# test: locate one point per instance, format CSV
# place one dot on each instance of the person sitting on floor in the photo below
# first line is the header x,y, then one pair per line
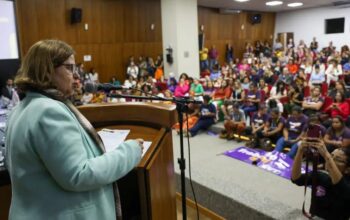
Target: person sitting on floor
x,y
236,124
257,124
273,129
293,131
207,116
190,118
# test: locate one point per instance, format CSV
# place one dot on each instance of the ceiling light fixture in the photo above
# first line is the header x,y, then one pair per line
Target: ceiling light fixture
x,y
295,4
274,3
241,0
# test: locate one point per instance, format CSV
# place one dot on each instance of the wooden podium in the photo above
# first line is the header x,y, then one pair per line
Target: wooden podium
x,y
148,191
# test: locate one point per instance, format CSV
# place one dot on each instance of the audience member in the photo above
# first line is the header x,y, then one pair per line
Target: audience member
x,y
293,131
206,117
234,124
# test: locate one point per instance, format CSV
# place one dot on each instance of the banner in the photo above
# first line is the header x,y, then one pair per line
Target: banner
x,y
274,162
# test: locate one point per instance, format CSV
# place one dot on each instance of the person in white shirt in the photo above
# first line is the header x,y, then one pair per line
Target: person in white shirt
x,y
132,70
333,71
93,76
86,98
9,96
317,77
130,82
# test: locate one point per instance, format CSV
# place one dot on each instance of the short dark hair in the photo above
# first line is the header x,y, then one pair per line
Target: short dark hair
x,y
235,105
314,117
297,109
275,111
206,98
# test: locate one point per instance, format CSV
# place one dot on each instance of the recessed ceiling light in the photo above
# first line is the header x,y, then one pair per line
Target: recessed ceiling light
x,y
295,4
241,0
274,3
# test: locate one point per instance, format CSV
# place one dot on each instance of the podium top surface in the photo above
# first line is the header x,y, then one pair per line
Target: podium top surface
x,y
159,114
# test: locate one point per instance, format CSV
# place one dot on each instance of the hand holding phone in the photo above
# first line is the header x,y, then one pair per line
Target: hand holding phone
x,y
314,132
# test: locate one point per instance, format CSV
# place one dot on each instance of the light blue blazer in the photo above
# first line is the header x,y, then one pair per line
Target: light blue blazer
x,y
57,171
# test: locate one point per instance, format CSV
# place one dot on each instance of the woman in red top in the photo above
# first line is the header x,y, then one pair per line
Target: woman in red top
x,y
339,107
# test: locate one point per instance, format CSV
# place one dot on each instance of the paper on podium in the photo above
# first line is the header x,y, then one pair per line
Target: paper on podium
x,y
113,138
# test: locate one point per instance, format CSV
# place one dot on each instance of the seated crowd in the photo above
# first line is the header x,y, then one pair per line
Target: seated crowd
x,y
273,94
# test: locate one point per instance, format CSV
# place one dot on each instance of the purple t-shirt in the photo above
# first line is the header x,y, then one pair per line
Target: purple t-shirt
x,y
296,126
259,120
311,100
252,95
344,135
274,123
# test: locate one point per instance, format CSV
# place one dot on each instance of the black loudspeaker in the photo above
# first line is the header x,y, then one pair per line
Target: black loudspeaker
x,y
169,58
255,18
201,41
75,15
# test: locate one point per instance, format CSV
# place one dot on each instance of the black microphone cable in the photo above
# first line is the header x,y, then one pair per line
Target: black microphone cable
x,y
189,167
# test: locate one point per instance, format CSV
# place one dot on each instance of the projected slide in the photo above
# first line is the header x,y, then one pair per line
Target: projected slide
x,y
8,32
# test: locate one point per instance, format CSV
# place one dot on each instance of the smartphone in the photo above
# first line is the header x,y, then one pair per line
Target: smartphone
x,y
314,131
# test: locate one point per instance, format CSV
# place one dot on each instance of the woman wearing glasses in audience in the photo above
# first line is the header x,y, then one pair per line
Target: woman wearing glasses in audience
x,y
57,163
332,198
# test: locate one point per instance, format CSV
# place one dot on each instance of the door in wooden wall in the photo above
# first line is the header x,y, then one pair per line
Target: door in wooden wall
x,y
284,37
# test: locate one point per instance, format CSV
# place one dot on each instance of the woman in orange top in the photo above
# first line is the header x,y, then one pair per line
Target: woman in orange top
x,y
292,67
220,95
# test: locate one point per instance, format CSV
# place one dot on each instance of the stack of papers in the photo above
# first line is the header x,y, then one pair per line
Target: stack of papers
x,y
113,138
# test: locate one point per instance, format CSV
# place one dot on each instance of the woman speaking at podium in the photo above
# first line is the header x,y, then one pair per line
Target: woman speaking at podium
x,y
56,160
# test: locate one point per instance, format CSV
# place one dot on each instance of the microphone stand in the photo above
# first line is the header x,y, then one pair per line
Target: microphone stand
x,y
181,107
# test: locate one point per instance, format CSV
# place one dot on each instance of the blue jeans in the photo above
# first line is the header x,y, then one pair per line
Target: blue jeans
x,y
282,143
204,64
212,63
201,124
248,109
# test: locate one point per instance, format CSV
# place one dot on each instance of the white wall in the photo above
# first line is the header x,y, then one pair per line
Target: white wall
x,y
309,23
180,31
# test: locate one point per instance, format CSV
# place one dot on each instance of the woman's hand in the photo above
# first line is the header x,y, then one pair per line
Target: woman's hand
x,y
303,145
321,147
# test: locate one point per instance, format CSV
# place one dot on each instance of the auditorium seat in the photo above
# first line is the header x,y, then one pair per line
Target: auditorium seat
x,y
307,91
327,102
324,89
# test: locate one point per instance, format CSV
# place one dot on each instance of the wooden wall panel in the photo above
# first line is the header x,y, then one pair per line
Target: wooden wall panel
x,y
220,29
117,29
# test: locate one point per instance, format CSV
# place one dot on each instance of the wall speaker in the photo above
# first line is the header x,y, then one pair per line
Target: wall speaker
x,y
169,58
75,15
255,18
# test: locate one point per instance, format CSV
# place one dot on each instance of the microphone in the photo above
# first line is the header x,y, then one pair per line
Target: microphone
x,y
94,87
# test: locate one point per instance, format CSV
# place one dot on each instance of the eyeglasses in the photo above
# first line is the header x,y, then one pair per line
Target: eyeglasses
x,y
71,67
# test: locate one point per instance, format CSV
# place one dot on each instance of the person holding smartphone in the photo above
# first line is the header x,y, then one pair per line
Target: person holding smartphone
x,y
332,198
